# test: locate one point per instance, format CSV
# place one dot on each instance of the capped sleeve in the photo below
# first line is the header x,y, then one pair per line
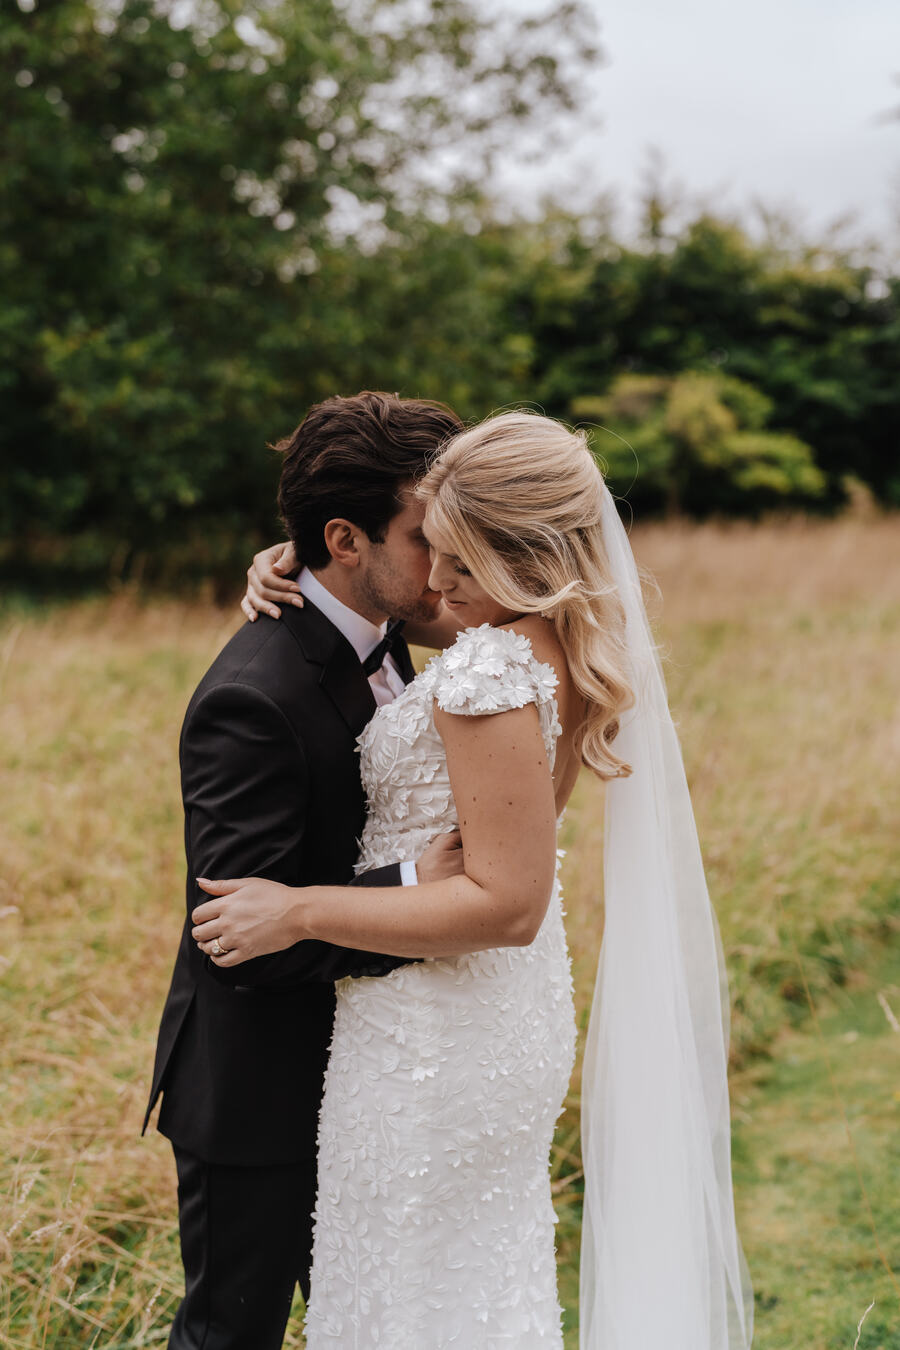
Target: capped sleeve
x,y
491,670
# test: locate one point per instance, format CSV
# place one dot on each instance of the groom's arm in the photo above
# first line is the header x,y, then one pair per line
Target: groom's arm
x,y
246,792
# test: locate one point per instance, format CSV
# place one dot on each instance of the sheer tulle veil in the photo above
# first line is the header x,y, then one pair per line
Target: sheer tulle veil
x,y
661,1262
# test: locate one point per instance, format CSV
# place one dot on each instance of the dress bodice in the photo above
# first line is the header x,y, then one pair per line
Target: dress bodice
x,y
402,761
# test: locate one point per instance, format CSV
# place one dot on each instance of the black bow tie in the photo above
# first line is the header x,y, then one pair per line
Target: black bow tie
x,y
375,660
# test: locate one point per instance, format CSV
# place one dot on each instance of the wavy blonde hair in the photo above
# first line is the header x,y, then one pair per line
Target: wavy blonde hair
x,y
520,498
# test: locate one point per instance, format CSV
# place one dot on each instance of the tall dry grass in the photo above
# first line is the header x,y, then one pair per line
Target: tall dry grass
x,y
782,649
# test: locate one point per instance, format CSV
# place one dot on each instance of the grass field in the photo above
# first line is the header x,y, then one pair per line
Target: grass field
x,y
783,646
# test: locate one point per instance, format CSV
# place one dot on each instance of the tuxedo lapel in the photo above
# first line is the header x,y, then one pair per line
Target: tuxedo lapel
x,y
343,678
345,683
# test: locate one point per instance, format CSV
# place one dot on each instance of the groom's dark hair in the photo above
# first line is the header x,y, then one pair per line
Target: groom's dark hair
x,y
350,457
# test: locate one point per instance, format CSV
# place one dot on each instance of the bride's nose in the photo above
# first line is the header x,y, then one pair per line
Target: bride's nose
x,y
436,577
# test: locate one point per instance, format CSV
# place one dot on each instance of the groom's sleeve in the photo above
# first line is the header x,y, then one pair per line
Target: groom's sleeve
x,y
246,790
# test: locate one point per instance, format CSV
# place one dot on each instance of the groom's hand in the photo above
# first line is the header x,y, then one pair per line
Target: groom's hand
x,y
442,858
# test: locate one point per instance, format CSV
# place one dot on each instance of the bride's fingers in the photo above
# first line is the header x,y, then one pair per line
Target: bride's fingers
x,y
248,609
273,569
208,932
259,602
229,958
278,559
222,885
270,582
212,909
271,586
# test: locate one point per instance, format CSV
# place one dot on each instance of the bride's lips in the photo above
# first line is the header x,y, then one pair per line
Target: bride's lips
x,y
453,604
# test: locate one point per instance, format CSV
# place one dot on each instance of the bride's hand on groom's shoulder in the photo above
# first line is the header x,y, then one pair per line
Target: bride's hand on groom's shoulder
x,y
270,582
247,917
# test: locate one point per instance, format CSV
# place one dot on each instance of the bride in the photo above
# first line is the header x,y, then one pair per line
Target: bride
x,y
434,1222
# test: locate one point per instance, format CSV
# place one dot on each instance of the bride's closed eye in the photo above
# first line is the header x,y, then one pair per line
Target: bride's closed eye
x,y
461,571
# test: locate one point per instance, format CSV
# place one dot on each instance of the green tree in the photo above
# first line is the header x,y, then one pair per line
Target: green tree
x,y
208,219
816,331
697,442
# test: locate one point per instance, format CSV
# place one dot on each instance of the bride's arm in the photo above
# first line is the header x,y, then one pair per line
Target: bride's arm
x,y
503,787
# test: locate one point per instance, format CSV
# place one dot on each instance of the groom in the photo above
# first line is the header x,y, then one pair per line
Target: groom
x,y
270,783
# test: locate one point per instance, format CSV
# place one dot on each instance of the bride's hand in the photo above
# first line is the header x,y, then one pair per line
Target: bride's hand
x,y
248,917
270,582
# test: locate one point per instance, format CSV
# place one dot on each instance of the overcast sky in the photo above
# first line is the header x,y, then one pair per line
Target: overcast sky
x,y
778,100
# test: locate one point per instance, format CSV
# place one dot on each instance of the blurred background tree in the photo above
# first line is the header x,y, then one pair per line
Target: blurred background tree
x,y
814,330
213,213
696,443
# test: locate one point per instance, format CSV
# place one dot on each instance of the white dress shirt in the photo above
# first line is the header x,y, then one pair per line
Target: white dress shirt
x,y
363,636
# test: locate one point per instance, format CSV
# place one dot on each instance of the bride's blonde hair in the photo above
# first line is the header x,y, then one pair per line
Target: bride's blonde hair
x,y
520,498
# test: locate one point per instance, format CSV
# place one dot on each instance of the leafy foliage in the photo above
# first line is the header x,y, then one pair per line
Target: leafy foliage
x,y
212,214
813,330
697,442
215,212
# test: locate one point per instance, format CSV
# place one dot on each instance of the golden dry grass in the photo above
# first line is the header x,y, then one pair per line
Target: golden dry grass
x,y
783,643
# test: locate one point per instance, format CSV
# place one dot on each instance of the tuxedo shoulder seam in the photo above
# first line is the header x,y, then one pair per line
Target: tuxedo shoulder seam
x,y
245,688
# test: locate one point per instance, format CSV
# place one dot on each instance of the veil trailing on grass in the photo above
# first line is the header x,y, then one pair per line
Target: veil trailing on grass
x,y
661,1262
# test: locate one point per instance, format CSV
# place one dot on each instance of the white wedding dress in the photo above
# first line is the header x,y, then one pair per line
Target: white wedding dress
x,y
434,1222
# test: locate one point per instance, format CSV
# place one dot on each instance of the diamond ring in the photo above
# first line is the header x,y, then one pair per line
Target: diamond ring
x,y
216,948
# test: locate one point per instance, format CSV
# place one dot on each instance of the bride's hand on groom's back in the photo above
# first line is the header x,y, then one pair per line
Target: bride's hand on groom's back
x,y
248,916
270,582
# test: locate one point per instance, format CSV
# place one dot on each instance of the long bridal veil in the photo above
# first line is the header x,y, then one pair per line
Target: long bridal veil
x,y
661,1262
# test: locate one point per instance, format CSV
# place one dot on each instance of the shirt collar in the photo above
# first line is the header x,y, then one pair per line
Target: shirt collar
x,y
362,635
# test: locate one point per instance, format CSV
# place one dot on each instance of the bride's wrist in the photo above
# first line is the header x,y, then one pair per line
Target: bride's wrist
x,y
301,912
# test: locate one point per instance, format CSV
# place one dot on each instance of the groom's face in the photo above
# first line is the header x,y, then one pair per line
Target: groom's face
x,y
395,581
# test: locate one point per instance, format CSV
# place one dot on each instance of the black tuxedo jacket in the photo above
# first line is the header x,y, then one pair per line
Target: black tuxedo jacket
x,y
271,788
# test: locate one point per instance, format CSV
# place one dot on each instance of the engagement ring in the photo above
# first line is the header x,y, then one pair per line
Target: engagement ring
x,y
216,948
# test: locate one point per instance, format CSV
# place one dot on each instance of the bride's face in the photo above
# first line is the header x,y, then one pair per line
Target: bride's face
x,y
460,592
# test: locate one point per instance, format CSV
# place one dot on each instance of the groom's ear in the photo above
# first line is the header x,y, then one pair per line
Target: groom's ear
x,y
345,542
